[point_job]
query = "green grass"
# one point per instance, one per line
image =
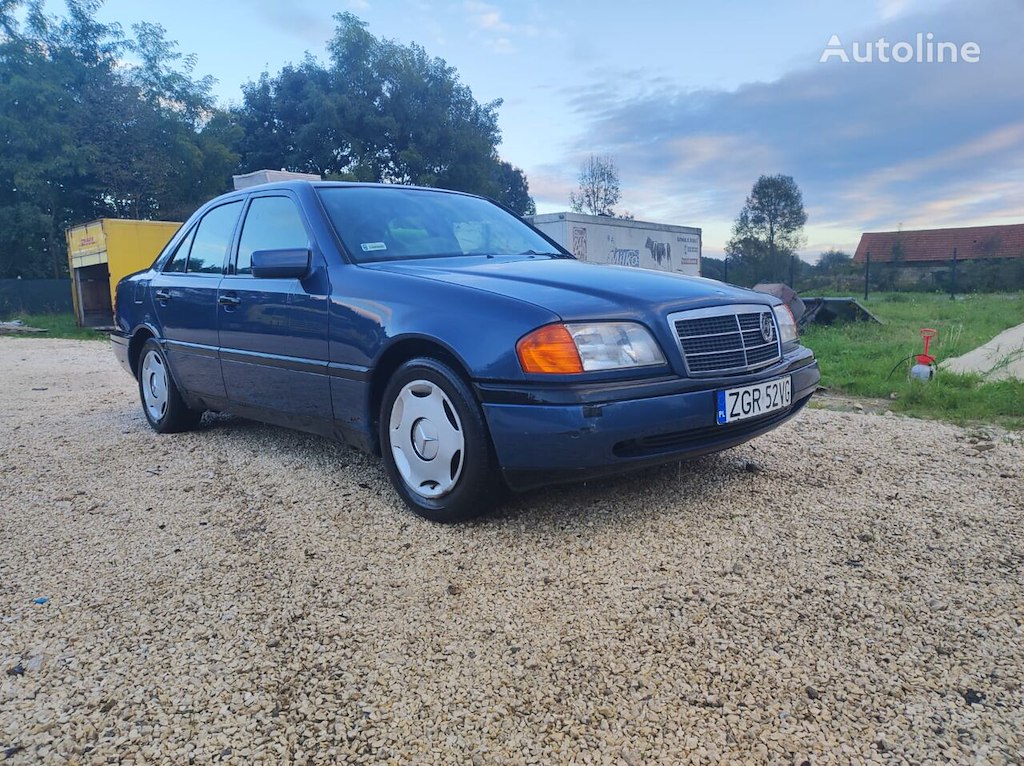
(58, 326)
(857, 358)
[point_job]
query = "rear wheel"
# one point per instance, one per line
(162, 404)
(435, 444)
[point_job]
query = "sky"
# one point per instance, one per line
(694, 101)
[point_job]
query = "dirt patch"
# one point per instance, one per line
(826, 400)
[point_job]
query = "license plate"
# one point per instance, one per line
(750, 401)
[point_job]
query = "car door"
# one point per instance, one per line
(184, 297)
(273, 332)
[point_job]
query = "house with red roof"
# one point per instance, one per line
(971, 243)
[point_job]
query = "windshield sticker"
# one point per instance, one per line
(369, 247)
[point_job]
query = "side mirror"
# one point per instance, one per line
(281, 264)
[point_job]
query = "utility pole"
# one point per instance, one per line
(952, 286)
(867, 274)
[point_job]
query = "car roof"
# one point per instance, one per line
(297, 184)
(303, 188)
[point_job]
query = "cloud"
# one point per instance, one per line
(486, 17)
(490, 23)
(871, 145)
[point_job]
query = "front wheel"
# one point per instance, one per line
(435, 445)
(162, 404)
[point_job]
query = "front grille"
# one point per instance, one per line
(726, 340)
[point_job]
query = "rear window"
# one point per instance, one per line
(382, 223)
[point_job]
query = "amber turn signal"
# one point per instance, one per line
(550, 350)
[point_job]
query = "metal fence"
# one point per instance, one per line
(34, 296)
(960, 276)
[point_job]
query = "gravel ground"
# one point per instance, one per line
(847, 589)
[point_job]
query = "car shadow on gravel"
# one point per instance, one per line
(667, 490)
(663, 490)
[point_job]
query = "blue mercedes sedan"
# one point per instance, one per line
(442, 332)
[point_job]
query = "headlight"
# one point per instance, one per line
(588, 347)
(788, 332)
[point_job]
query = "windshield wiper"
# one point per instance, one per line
(534, 252)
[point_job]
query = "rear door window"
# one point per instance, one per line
(212, 239)
(177, 263)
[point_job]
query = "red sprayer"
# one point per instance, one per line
(924, 368)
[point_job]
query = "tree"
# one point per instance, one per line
(713, 268)
(298, 121)
(164, 77)
(834, 261)
(87, 134)
(745, 261)
(88, 131)
(773, 219)
(379, 111)
(512, 189)
(45, 65)
(834, 270)
(897, 253)
(598, 189)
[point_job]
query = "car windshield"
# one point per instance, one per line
(385, 223)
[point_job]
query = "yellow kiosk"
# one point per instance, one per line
(101, 252)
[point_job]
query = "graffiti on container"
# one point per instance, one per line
(579, 242)
(622, 257)
(661, 252)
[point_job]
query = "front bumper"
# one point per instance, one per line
(549, 442)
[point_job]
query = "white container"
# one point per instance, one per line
(922, 372)
(258, 177)
(600, 239)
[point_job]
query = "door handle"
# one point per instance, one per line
(228, 300)
(162, 295)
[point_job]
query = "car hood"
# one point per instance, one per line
(576, 290)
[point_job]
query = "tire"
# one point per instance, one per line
(435, 443)
(162, 404)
